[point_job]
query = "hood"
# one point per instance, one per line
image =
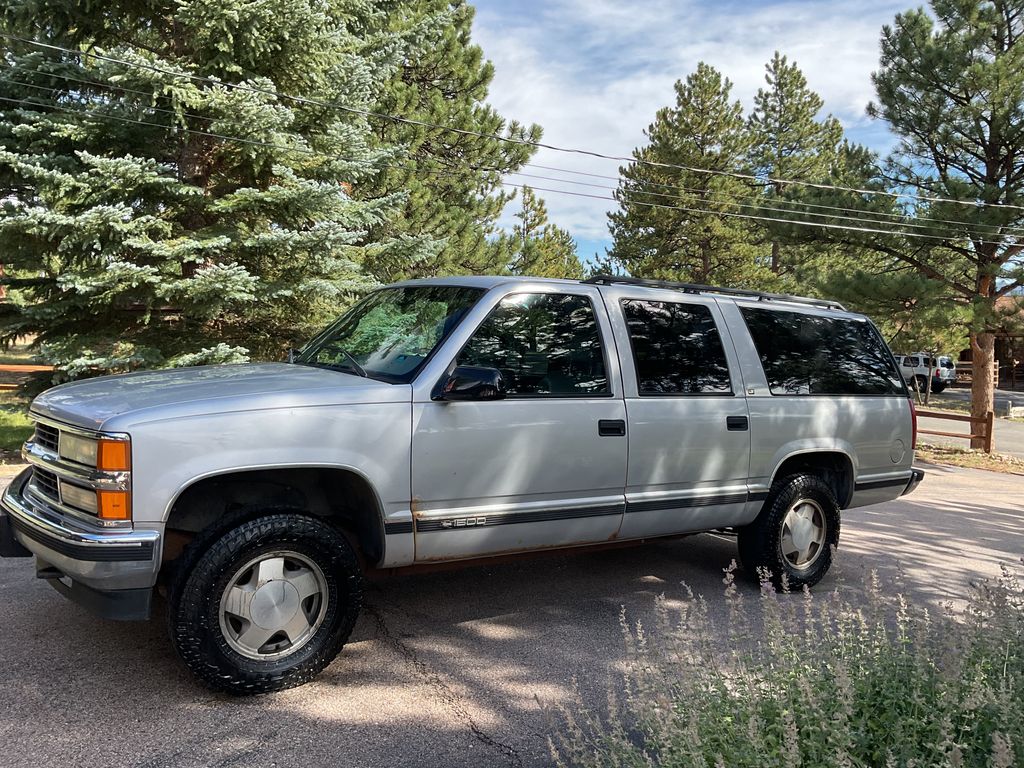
(114, 402)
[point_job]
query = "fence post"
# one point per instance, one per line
(990, 419)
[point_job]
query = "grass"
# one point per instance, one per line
(17, 354)
(15, 426)
(939, 403)
(970, 458)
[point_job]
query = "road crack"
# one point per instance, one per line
(442, 690)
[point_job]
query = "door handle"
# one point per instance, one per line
(611, 428)
(736, 423)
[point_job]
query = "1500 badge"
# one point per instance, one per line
(464, 522)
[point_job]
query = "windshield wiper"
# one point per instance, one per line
(351, 364)
(354, 363)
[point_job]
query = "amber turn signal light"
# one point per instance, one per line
(114, 505)
(113, 455)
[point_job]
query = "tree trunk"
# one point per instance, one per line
(931, 373)
(982, 390)
(776, 257)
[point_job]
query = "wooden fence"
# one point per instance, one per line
(986, 422)
(965, 373)
(11, 374)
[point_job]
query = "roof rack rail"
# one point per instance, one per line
(695, 288)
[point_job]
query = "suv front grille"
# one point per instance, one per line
(46, 436)
(46, 483)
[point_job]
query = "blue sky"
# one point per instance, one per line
(592, 73)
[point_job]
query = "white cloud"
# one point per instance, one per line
(592, 73)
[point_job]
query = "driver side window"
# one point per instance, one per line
(544, 344)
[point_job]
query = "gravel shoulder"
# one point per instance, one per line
(444, 668)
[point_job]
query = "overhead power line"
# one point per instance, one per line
(306, 150)
(749, 217)
(861, 216)
(780, 200)
(763, 180)
(864, 216)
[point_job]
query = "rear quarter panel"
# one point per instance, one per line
(875, 432)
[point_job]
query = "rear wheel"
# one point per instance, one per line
(267, 605)
(938, 386)
(794, 534)
(921, 383)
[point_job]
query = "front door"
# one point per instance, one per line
(546, 466)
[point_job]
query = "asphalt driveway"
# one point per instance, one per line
(444, 669)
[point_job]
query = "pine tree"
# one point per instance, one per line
(135, 233)
(536, 247)
(455, 194)
(789, 142)
(949, 87)
(674, 223)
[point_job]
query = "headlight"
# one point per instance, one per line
(109, 455)
(81, 450)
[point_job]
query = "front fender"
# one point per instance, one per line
(371, 440)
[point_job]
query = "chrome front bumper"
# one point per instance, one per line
(111, 572)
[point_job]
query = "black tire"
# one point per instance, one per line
(205, 572)
(920, 383)
(760, 543)
(937, 387)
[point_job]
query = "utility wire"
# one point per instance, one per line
(752, 217)
(996, 230)
(730, 200)
(870, 217)
(992, 231)
(763, 180)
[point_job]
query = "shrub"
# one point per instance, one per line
(802, 681)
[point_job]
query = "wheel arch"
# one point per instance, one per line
(338, 493)
(834, 465)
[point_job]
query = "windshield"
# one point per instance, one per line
(390, 334)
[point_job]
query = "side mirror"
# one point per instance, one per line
(471, 383)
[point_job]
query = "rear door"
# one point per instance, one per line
(689, 438)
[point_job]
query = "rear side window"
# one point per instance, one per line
(817, 355)
(676, 348)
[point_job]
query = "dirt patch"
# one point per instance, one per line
(972, 459)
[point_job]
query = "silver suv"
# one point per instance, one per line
(917, 367)
(455, 419)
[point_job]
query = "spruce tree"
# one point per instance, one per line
(789, 142)
(536, 247)
(674, 223)
(454, 179)
(150, 219)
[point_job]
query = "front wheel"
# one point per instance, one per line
(794, 534)
(266, 606)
